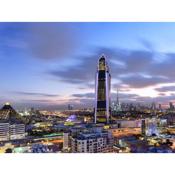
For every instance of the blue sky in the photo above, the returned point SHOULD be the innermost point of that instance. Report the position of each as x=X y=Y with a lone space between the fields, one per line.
x=50 y=65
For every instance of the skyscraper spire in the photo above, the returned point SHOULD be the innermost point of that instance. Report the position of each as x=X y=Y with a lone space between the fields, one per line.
x=117 y=98
x=117 y=107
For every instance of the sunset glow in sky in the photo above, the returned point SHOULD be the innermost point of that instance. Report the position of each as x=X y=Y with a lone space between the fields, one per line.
x=50 y=65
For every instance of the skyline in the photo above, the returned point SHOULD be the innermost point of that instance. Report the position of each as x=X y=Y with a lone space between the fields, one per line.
x=45 y=64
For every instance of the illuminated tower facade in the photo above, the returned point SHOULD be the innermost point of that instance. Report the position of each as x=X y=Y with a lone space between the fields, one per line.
x=102 y=92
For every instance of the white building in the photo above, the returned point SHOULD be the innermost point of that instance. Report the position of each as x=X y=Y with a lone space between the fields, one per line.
x=11 y=132
x=17 y=131
x=92 y=143
x=65 y=141
x=4 y=131
x=151 y=127
x=129 y=123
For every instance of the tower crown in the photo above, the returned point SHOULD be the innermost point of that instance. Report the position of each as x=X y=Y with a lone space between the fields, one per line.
x=102 y=58
x=102 y=63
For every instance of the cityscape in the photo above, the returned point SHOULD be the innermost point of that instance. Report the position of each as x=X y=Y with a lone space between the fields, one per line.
x=114 y=101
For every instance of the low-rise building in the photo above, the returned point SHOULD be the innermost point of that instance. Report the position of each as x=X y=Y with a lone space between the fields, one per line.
x=93 y=142
x=12 y=126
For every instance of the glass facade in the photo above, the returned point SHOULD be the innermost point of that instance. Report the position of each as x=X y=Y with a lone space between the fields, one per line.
x=102 y=109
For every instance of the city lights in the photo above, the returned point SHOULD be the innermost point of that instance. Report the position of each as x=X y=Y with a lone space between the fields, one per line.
x=122 y=101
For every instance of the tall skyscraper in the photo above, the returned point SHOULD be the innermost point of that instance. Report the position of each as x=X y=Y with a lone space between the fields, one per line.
x=153 y=106
x=171 y=106
x=160 y=107
x=70 y=107
x=118 y=105
x=102 y=91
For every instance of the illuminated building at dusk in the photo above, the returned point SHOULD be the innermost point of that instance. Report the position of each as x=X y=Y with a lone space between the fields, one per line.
x=116 y=106
x=102 y=92
x=11 y=125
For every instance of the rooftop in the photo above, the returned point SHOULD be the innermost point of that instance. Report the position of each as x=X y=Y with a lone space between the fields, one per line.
x=8 y=114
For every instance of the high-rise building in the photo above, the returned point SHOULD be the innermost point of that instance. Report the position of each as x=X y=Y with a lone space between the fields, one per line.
x=70 y=107
x=171 y=106
x=160 y=107
x=153 y=106
x=102 y=91
x=117 y=107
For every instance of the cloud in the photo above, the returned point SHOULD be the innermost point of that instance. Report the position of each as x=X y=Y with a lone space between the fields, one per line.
x=87 y=95
x=162 y=94
x=83 y=73
x=57 y=40
x=165 y=68
x=35 y=94
x=43 y=40
x=147 y=44
x=51 y=40
x=120 y=87
x=165 y=89
x=138 y=61
x=139 y=81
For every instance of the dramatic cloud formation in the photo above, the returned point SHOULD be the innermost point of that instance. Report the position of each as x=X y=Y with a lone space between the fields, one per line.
x=134 y=68
x=129 y=68
x=84 y=72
